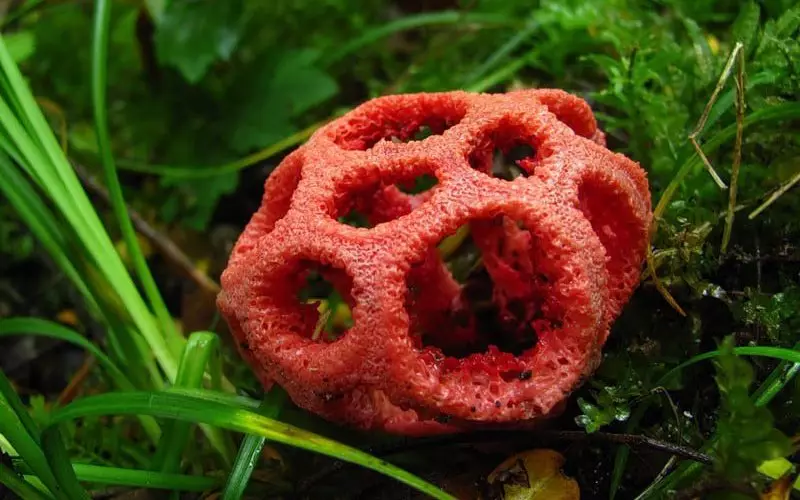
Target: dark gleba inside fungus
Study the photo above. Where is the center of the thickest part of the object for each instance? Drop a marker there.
(364, 212)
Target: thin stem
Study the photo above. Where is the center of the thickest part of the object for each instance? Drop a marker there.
(737, 153)
(99, 81)
(774, 196)
(159, 240)
(651, 267)
(723, 77)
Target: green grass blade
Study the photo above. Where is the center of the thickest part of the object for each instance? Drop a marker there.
(502, 52)
(39, 220)
(233, 413)
(500, 75)
(28, 448)
(200, 348)
(414, 22)
(56, 453)
(776, 381)
(117, 476)
(781, 353)
(50, 163)
(99, 84)
(246, 460)
(12, 399)
(59, 242)
(43, 161)
(44, 328)
(19, 486)
(251, 447)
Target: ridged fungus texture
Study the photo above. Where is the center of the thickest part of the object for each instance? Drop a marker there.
(561, 246)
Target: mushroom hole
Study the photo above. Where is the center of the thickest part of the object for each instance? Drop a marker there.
(421, 133)
(400, 121)
(504, 154)
(384, 200)
(479, 299)
(325, 297)
(418, 185)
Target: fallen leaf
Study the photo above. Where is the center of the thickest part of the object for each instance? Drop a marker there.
(778, 490)
(533, 475)
(68, 317)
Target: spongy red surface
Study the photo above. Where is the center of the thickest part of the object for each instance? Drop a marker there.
(563, 247)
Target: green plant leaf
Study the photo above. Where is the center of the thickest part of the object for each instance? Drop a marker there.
(19, 486)
(36, 326)
(745, 28)
(27, 447)
(288, 84)
(15, 403)
(98, 474)
(746, 436)
(196, 358)
(21, 45)
(42, 327)
(200, 196)
(192, 34)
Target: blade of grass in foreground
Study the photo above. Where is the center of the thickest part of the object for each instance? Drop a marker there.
(233, 413)
(99, 83)
(28, 139)
(781, 353)
(117, 476)
(28, 447)
(251, 447)
(19, 486)
(44, 328)
(197, 355)
(11, 397)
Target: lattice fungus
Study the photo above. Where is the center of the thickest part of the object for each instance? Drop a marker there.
(561, 244)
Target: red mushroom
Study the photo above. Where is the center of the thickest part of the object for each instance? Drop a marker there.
(562, 245)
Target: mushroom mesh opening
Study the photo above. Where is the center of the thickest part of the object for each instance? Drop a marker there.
(488, 304)
(504, 153)
(325, 297)
(395, 120)
(384, 201)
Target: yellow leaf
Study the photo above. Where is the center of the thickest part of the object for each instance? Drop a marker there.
(341, 315)
(450, 244)
(68, 317)
(778, 468)
(778, 490)
(534, 475)
(144, 245)
(203, 265)
(713, 44)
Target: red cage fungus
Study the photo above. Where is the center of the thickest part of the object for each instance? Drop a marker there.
(561, 247)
